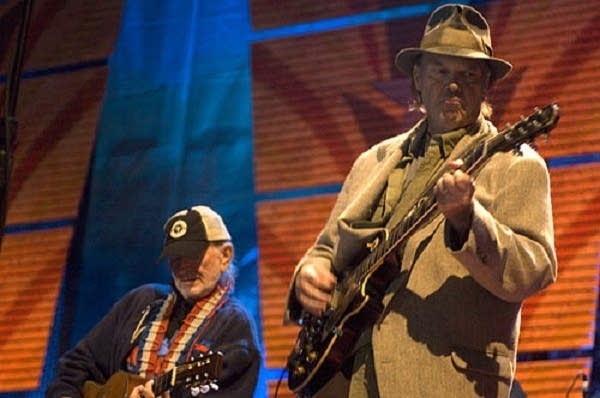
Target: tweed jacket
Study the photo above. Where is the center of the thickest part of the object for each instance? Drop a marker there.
(451, 323)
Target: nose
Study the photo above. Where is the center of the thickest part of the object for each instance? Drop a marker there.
(453, 87)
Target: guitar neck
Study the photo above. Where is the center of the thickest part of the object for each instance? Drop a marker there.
(164, 382)
(201, 373)
(424, 209)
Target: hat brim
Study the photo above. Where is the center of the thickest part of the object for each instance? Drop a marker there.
(405, 59)
(187, 249)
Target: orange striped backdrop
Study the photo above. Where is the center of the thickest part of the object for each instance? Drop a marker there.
(319, 99)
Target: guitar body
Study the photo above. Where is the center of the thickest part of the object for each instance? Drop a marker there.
(119, 385)
(324, 342)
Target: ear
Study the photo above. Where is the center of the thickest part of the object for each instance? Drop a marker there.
(227, 255)
(416, 76)
(489, 78)
(490, 83)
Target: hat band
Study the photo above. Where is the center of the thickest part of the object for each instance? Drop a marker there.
(450, 37)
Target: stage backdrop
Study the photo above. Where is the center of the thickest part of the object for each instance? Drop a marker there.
(132, 110)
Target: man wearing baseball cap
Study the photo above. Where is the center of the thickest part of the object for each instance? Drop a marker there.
(193, 325)
(449, 320)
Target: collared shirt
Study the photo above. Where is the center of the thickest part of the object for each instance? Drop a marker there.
(407, 182)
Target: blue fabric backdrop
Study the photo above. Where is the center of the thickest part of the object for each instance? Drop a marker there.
(175, 131)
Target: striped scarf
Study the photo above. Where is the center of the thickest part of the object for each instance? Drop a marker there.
(152, 353)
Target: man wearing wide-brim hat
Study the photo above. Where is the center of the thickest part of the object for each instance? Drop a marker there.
(459, 31)
(450, 317)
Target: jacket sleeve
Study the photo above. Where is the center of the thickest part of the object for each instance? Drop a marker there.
(235, 336)
(100, 353)
(510, 247)
(323, 248)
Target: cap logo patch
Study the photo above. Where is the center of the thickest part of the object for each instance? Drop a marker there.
(178, 229)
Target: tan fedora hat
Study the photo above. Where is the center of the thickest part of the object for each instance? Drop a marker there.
(457, 30)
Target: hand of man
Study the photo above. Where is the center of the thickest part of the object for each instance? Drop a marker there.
(144, 391)
(313, 286)
(454, 194)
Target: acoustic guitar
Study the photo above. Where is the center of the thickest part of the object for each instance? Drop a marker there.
(323, 343)
(200, 373)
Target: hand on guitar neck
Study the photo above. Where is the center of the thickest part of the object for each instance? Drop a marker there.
(145, 391)
(454, 193)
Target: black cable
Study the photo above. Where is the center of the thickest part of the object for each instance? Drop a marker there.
(14, 76)
(584, 384)
(279, 382)
(9, 122)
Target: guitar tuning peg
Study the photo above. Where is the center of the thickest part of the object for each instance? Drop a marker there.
(214, 386)
(197, 390)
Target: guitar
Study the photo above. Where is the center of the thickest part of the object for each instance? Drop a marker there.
(323, 343)
(201, 374)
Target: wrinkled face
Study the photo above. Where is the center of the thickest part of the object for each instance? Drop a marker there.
(197, 278)
(452, 90)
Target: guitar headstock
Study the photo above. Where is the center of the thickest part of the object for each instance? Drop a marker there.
(200, 374)
(539, 123)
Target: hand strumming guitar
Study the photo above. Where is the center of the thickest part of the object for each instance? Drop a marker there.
(313, 286)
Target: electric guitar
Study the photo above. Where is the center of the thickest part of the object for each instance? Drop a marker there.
(323, 343)
(201, 374)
